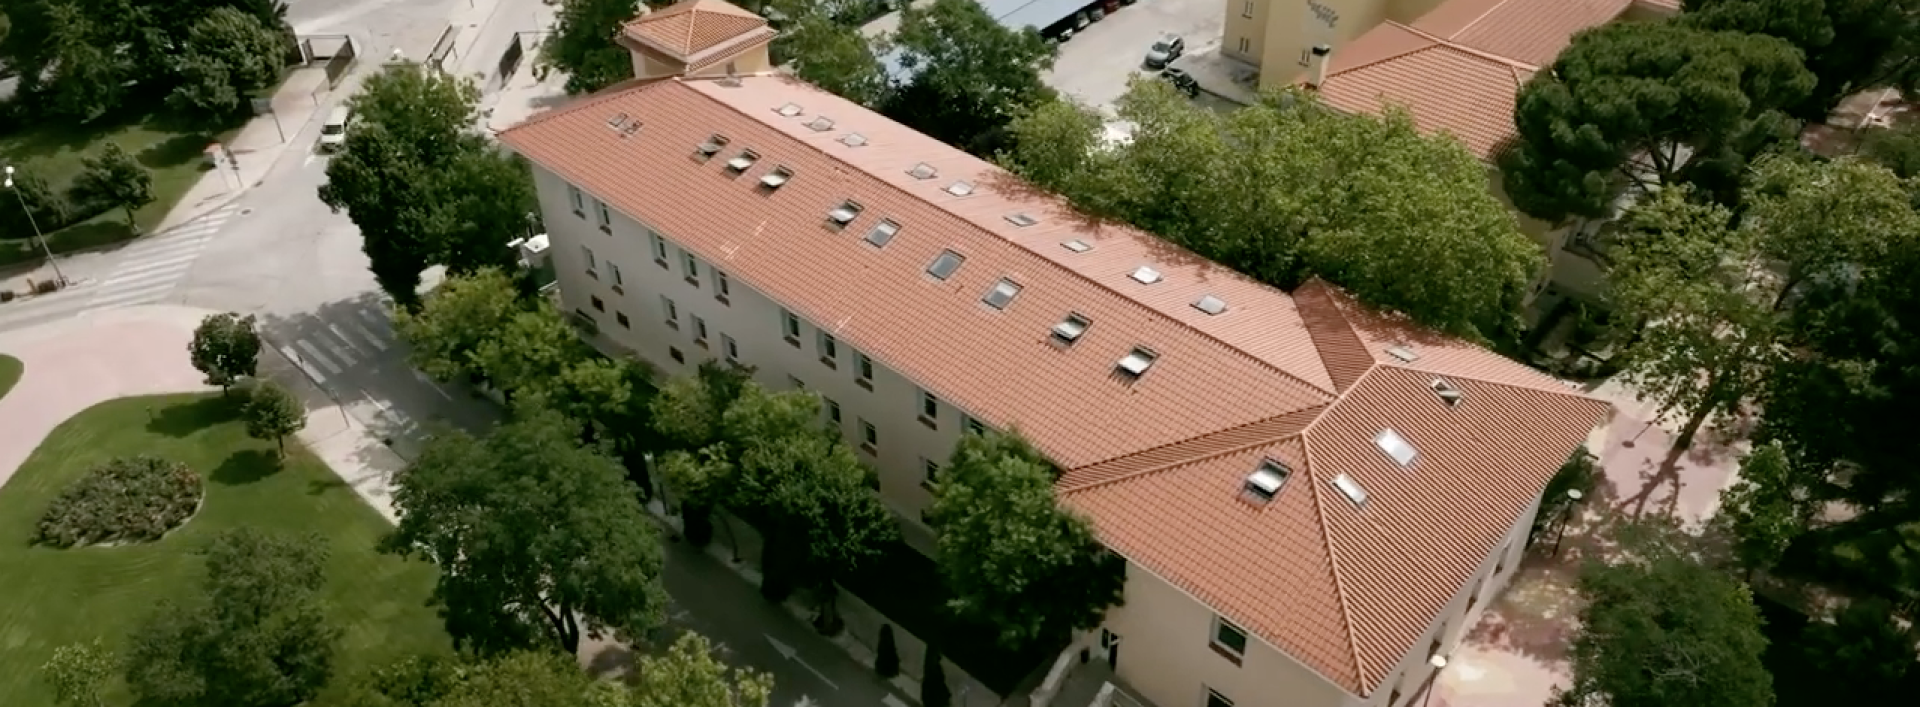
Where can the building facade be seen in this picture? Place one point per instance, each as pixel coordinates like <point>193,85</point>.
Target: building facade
<point>1278,36</point>
<point>1311,497</point>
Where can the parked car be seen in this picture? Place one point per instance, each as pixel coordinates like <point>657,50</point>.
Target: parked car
<point>1111,6</point>
<point>1080,20</point>
<point>1164,50</point>
<point>333,133</point>
<point>1097,13</point>
<point>1182,80</point>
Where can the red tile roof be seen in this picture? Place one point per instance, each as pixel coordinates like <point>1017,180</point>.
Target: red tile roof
<point>1299,377</point>
<point>693,27</point>
<point>1457,68</point>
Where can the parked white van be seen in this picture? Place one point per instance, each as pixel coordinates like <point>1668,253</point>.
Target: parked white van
<point>333,133</point>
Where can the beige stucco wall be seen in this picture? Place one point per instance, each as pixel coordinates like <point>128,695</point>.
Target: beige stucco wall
<point>751,61</point>
<point>1279,33</point>
<point>647,66</point>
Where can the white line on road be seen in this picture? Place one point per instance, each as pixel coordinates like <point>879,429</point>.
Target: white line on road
<point>146,269</point>
<point>314,354</point>
<point>790,653</point>
<point>891,701</point>
<point>294,356</point>
<point>374,319</point>
<point>371,338</point>
<point>346,359</point>
<point>129,297</point>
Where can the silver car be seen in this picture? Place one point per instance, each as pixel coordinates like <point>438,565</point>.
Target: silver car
<point>1164,50</point>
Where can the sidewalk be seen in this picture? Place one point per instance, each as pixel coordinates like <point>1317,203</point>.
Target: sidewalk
<point>258,147</point>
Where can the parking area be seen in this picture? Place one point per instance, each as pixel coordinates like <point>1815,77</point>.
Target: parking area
<point>1093,67</point>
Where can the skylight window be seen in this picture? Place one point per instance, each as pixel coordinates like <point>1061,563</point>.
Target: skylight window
<point>1001,294</point>
<point>1070,329</point>
<point>743,162</point>
<point>1406,355</point>
<point>853,140</point>
<point>1210,304</point>
<point>1076,245</point>
<point>1022,220</point>
<point>627,131</point>
<point>789,110</point>
<point>845,213</point>
<point>1136,362</point>
<point>945,264</point>
<point>774,179</point>
<point>711,147</point>
<point>1447,393</point>
<point>1351,489</point>
<point>882,233</point>
<point>1396,447</point>
<point>820,124</point>
<point>617,120</point>
<point>1265,481</point>
<point>1146,275</point>
<point>960,188</point>
<point>923,170</point>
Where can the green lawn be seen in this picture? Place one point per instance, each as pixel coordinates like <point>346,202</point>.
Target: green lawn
<point>10,370</point>
<point>50,597</point>
<point>172,153</point>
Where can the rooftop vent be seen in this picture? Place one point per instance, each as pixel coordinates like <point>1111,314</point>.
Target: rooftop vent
<point>712,146</point>
<point>1406,355</point>
<point>945,264</point>
<point>882,233</point>
<point>1396,447</point>
<point>776,178</point>
<point>1136,362</point>
<point>743,162</point>
<point>789,110</point>
<point>1146,275</point>
<point>1076,245</point>
<point>853,140</point>
<point>1448,394</point>
<point>845,212</point>
<point>617,120</point>
<point>1022,220</point>
<point>1070,329</point>
<point>923,170</point>
<point>1265,481</point>
<point>821,124</point>
<point>632,126</point>
<point>961,188</point>
<point>1211,305</point>
<point>1001,294</point>
<point>1351,489</point>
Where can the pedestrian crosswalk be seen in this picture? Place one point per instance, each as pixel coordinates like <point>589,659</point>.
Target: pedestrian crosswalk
<point>351,350</point>
<point>331,343</point>
<point>151,268</point>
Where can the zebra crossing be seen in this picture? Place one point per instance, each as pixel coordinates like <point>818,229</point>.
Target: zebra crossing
<point>150,269</point>
<point>350,350</point>
<point>329,348</point>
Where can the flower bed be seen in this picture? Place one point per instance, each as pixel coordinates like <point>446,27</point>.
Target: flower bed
<point>131,499</point>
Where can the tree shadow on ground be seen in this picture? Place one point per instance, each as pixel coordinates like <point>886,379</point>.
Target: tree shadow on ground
<point>175,150</point>
<point>187,418</point>
<point>1537,613</point>
<point>321,487</point>
<point>1661,482</point>
<point>611,660</point>
<point>246,466</point>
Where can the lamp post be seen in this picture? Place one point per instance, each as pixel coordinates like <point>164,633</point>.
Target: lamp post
<point>1566,511</point>
<point>1438,662</point>
<point>37,235</point>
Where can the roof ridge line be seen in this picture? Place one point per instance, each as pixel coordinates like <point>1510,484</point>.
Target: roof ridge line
<point>1559,390</point>
<point>595,98</point>
<point>1333,562</point>
<point>1192,459</point>
<point>1391,57</point>
<point>1456,46</point>
<point>1477,18</point>
<point>993,169</point>
<point>1375,366</point>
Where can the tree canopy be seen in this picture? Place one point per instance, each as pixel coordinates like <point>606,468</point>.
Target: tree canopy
<point>1646,104</point>
<point>539,539</point>
<point>582,43</point>
<point>831,54</point>
<point>272,413</point>
<point>1286,190</point>
<point>1012,557</point>
<point>226,348</point>
<point>113,179</point>
<point>227,56</point>
<point>1850,45</point>
<point>686,674</point>
<point>1661,629</point>
<point>970,75</point>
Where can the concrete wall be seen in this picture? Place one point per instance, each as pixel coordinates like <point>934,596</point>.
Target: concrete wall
<point>1278,33</point>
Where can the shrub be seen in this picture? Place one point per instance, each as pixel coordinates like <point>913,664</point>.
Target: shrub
<point>7,295</point>
<point>42,287</point>
<point>137,499</point>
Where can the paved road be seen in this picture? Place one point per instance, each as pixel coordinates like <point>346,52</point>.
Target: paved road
<point>146,271</point>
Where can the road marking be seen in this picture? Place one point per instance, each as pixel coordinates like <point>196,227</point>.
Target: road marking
<point>317,357</point>
<point>790,653</point>
<point>346,359</point>
<point>128,297</point>
<point>378,345</point>
<point>147,269</point>
<point>294,356</point>
<point>374,319</point>
<point>891,701</point>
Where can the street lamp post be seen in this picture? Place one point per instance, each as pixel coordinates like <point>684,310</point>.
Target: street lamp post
<point>1566,514</point>
<point>37,235</point>
<point>1438,662</point>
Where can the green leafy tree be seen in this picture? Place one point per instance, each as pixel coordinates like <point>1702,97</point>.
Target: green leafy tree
<point>826,520</point>
<point>539,540</point>
<point>372,179</point>
<point>44,208</point>
<point>481,202</point>
<point>971,76</point>
<point>1864,656</point>
<point>1646,104</point>
<point>225,347</point>
<point>79,674</point>
<point>1850,45</point>
<point>84,75</point>
<point>582,44</point>
<point>273,413</point>
<point>1012,557</point>
<point>112,178</point>
<point>445,335</point>
<point>1897,149</point>
<point>1581,473</point>
<point>1660,629</point>
<point>532,352</point>
<point>833,55</point>
<point>1763,512</point>
<point>689,675</point>
<point>227,57</point>
<point>1286,190</point>
<point>258,636</point>
<point>529,679</point>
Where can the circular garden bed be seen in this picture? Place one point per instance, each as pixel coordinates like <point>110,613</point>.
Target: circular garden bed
<point>131,499</point>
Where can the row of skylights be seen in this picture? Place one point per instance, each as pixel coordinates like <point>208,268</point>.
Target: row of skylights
<point>1076,245</point>
<point>923,170</point>
<point>853,140</point>
<point>960,188</point>
<point>1271,475</point>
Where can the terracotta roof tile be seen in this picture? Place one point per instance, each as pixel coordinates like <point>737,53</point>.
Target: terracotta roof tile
<point>1531,32</point>
<point>1157,463</point>
<point>691,27</point>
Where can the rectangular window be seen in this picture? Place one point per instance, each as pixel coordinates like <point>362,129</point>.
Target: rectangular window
<point>790,327</point>
<point>732,348</point>
<point>690,266</point>
<point>1215,699</point>
<point>659,248</point>
<point>869,435</point>
<point>1246,9</point>
<point>614,270</point>
<point>699,330</point>
<point>829,349</point>
<point>622,319</point>
<point>598,305</point>
<point>672,310</point>
<point>929,410</point>
<point>1245,46</point>
<point>833,411</point>
<point>932,470</point>
<point>974,426</point>
<point>796,383</point>
<point>1228,640</point>
<point>592,262</point>
<point>604,214</point>
<point>863,371</point>
<point>577,200</point>
<point>722,286</point>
